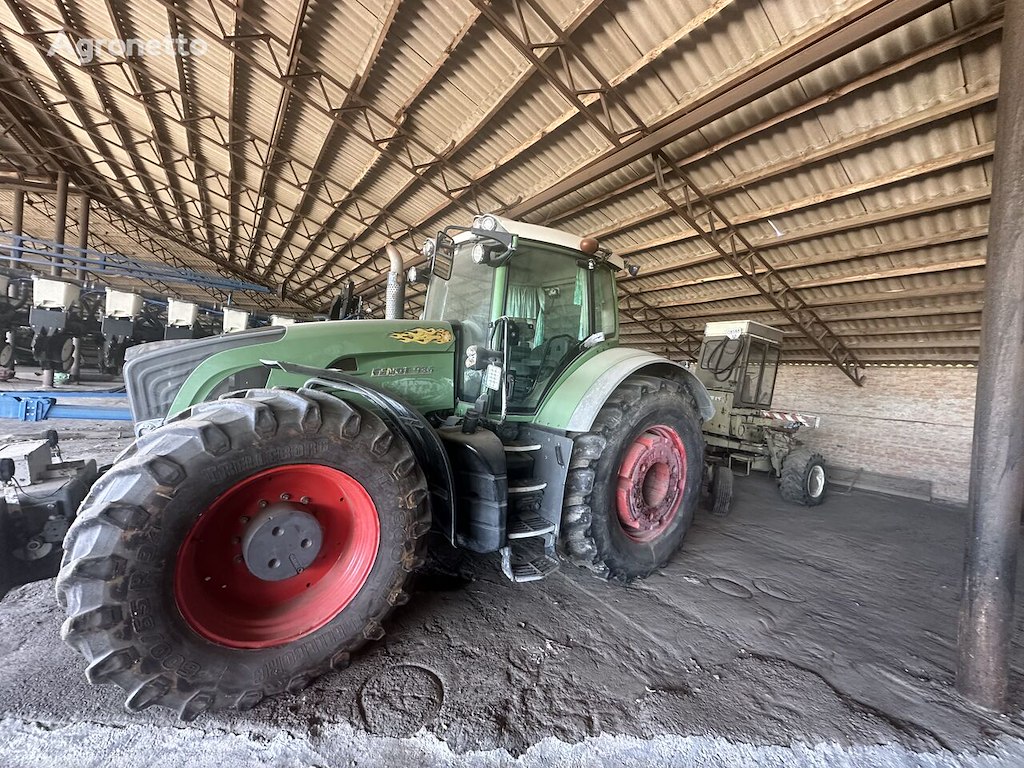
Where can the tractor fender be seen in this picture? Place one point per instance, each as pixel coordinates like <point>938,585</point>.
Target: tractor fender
<point>574,405</point>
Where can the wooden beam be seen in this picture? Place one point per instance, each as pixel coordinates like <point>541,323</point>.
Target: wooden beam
<point>690,300</point>
<point>469,132</point>
<point>263,199</point>
<point>830,151</point>
<point>843,33</point>
<point>934,165</point>
<point>324,154</point>
<point>888,249</point>
<point>958,37</point>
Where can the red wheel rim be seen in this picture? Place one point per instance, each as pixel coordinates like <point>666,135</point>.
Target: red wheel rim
<point>224,602</point>
<point>652,477</point>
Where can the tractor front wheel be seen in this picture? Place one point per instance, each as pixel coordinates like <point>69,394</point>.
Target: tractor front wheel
<point>804,478</point>
<point>242,550</point>
<point>721,491</point>
<point>635,480</point>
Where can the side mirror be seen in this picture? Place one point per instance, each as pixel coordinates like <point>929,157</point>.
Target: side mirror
<point>440,252</point>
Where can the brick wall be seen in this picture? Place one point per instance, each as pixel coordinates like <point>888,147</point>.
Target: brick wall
<point>906,422</point>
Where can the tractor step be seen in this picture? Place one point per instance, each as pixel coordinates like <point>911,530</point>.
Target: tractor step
<point>531,570</point>
<point>521,447</point>
<point>527,485</point>
<point>529,526</point>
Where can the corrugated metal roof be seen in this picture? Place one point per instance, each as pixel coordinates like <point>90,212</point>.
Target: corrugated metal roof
<point>310,133</point>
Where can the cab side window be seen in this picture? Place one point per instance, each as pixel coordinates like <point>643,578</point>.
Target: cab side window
<point>606,302</point>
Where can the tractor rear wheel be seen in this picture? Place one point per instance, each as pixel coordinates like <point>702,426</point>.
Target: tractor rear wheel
<point>242,550</point>
<point>635,480</point>
<point>804,479</point>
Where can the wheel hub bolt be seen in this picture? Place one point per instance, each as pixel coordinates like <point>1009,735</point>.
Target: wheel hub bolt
<point>285,496</point>
<point>304,500</point>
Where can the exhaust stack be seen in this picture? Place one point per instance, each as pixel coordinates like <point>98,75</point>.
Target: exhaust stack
<point>394,300</point>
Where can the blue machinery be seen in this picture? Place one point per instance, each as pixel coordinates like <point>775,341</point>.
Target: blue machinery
<point>23,250</point>
<point>41,254</point>
<point>39,406</point>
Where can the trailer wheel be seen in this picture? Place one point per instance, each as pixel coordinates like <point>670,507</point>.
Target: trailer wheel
<point>63,352</point>
<point>242,550</point>
<point>804,478</point>
<point>6,353</point>
<point>721,491</point>
<point>54,351</point>
<point>634,481</point>
<point>112,356</point>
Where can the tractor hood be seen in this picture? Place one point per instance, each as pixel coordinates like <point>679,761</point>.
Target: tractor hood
<point>412,359</point>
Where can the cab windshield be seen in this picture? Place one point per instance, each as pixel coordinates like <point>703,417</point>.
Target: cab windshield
<point>464,298</point>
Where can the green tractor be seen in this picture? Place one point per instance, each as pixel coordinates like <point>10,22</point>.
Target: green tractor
<point>279,495</point>
<point>738,363</point>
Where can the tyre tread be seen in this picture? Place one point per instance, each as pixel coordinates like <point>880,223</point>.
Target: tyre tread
<point>792,484</point>
<point>577,540</point>
<point>721,491</point>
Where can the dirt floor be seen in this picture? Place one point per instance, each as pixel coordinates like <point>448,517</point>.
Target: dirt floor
<point>778,636</point>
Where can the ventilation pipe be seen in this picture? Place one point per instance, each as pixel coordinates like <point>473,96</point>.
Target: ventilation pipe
<point>394,302</point>
<point>60,220</point>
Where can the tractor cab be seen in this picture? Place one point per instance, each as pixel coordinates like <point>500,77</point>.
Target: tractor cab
<point>738,363</point>
<point>526,302</point>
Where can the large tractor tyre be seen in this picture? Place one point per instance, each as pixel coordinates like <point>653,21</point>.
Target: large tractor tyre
<point>721,491</point>
<point>242,550</point>
<point>634,481</point>
<point>804,479</point>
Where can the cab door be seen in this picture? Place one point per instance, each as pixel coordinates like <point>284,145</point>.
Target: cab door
<point>549,303</point>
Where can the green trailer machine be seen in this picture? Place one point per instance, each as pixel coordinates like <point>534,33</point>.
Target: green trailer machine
<point>738,364</point>
<point>284,480</point>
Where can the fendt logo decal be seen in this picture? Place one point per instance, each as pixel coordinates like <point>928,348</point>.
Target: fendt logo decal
<point>409,370</point>
<point>423,335</point>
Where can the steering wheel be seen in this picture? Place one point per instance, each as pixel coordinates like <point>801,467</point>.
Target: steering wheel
<point>548,345</point>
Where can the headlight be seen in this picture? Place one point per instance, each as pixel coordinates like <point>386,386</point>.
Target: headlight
<point>487,223</point>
